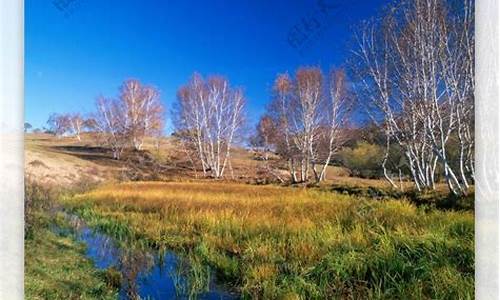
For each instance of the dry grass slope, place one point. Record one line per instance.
(66, 160)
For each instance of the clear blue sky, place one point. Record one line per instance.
(76, 50)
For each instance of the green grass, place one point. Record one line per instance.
(56, 268)
(291, 243)
(55, 263)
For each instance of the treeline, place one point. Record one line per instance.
(411, 71)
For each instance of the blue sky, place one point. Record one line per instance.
(76, 50)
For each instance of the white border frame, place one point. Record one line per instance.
(11, 149)
(487, 133)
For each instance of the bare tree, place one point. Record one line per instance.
(58, 124)
(263, 142)
(210, 112)
(278, 110)
(77, 123)
(306, 116)
(374, 58)
(309, 113)
(457, 62)
(337, 113)
(108, 121)
(265, 135)
(415, 69)
(125, 121)
(143, 111)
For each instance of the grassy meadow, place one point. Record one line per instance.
(271, 242)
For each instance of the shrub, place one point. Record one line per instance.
(364, 159)
(38, 197)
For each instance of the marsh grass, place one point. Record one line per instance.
(378, 189)
(273, 242)
(55, 264)
(56, 268)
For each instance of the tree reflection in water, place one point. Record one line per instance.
(147, 273)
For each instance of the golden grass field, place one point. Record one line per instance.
(272, 242)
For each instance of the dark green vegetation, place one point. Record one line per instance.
(55, 265)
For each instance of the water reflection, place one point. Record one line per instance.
(142, 273)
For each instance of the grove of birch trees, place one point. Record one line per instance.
(305, 120)
(129, 119)
(208, 118)
(414, 69)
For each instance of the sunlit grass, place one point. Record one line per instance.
(56, 268)
(275, 242)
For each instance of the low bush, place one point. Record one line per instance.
(364, 160)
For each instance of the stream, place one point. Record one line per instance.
(143, 274)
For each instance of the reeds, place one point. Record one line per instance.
(274, 242)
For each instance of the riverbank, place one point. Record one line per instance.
(65, 259)
(55, 263)
(56, 268)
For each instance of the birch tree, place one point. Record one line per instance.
(77, 123)
(309, 113)
(264, 142)
(337, 111)
(210, 112)
(279, 112)
(414, 69)
(143, 111)
(126, 121)
(265, 135)
(108, 121)
(387, 92)
(457, 61)
(59, 124)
